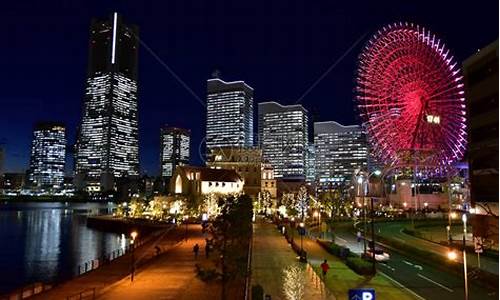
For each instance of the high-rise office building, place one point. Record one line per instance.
(283, 137)
(229, 114)
(48, 154)
(340, 150)
(311, 164)
(481, 93)
(174, 149)
(107, 146)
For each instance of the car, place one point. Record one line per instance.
(380, 255)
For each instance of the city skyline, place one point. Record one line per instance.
(310, 60)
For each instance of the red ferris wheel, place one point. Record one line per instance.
(410, 97)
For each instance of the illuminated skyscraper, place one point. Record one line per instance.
(48, 154)
(311, 164)
(283, 138)
(107, 146)
(229, 114)
(339, 151)
(174, 149)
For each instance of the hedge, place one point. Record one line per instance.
(359, 265)
(354, 262)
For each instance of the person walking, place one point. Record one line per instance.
(196, 249)
(325, 267)
(207, 250)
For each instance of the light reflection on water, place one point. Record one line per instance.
(47, 241)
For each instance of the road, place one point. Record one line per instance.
(395, 231)
(423, 280)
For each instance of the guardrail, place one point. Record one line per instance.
(27, 291)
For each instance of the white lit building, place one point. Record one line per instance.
(340, 150)
(192, 181)
(174, 149)
(283, 137)
(229, 114)
(48, 155)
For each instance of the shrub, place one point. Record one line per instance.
(257, 292)
(205, 274)
(359, 265)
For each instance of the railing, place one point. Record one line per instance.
(105, 259)
(249, 268)
(85, 294)
(27, 291)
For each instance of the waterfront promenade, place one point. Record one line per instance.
(171, 276)
(97, 281)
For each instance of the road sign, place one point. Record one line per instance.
(478, 244)
(361, 294)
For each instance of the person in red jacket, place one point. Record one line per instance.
(325, 267)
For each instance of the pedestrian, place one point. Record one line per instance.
(358, 235)
(196, 249)
(325, 267)
(207, 250)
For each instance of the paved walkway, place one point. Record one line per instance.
(270, 256)
(170, 276)
(110, 273)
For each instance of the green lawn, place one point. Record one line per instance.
(340, 279)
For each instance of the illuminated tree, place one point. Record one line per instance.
(137, 207)
(211, 205)
(293, 282)
(302, 203)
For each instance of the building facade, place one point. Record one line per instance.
(229, 114)
(195, 182)
(247, 162)
(340, 150)
(268, 183)
(311, 164)
(175, 149)
(481, 93)
(48, 156)
(107, 146)
(283, 138)
(481, 88)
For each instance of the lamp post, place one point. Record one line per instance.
(365, 192)
(302, 231)
(466, 288)
(133, 235)
(452, 255)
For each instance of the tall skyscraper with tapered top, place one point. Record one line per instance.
(229, 114)
(107, 146)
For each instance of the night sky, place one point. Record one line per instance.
(280, 48)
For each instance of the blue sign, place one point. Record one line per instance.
(361, 294)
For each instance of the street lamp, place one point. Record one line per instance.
(466, 288)
(452, 255)
(133, 234)
(301, 225)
